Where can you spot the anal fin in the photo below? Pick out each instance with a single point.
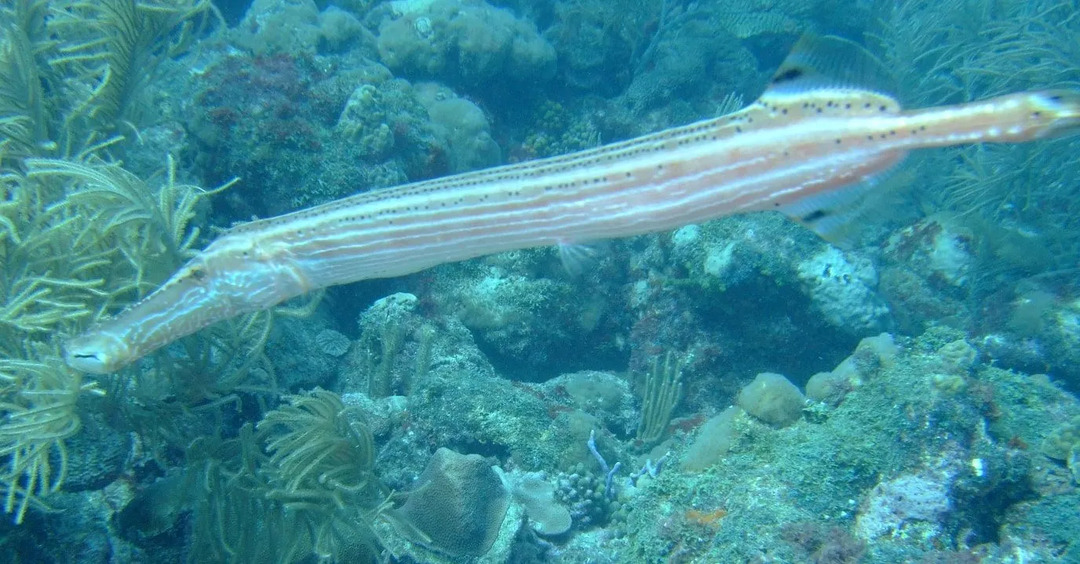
(836, 215)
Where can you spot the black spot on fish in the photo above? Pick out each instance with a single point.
(814, 216)
(788, 75)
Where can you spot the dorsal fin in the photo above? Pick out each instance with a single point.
(830, 75)
(831, 62)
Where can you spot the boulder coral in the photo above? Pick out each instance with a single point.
(773, 399)
(465, 43)
(461, 126)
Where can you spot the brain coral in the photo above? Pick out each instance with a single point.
(467, 43)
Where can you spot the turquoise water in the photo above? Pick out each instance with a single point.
(739, 390)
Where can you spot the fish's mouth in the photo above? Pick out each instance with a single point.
(96, 353)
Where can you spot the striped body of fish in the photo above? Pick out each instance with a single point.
(798, 149)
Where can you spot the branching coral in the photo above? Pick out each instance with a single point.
(72, 238)
(663, 389)
(22, 108)
(302, 483)
(321, 466)
(81, 237)
(36, 420)
(71, 71)
(114, 47)
(317, 450)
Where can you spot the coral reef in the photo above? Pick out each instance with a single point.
(761, 289)
(509, 408)
(555, 130)
(462, 128)
(583, 492)
(523, 308)
(315, 121)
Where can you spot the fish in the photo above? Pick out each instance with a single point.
(807, 147)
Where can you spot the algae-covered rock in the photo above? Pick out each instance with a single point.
(907, 501)
(1061, 441)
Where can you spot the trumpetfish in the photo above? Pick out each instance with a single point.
(801, 148)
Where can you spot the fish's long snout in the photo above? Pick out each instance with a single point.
(96, 352)
(1062, 111)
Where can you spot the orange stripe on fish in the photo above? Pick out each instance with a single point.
(800, 148)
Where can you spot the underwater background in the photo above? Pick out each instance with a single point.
(734, 391)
